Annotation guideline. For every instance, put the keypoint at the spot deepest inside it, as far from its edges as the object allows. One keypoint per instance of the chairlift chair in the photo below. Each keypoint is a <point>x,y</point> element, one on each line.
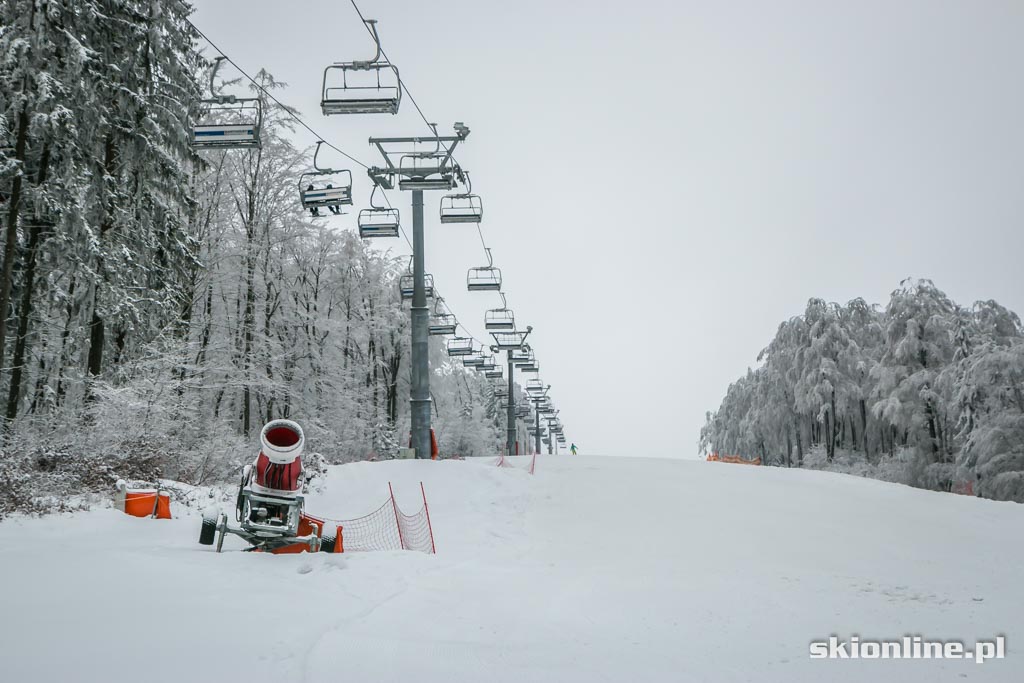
<point>378,221</point>
<point>485,278</point>
<point>425,171</point>
<point>325,187</point>
<point>496,373</point>
<point>533,367</point>
<point>472,360</point>
<point>499,319</point>
<point>462,207</point>
<point>362,87</point>
<point>489,363</point>
<point>501,391</point>
<point>407,284</point>
<point>535,387</point>
<point>442,324</point>
<point>460,346</point>
<point>324,197</point>
<point>524,359</point>
<point>522,354</point>
<point>227,121</point>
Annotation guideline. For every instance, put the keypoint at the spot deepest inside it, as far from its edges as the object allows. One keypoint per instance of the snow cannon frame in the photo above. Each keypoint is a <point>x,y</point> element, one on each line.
<point>270,519</point>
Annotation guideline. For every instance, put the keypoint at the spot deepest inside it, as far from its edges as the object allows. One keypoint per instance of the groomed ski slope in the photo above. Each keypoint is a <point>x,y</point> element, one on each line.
<point>595,569</point>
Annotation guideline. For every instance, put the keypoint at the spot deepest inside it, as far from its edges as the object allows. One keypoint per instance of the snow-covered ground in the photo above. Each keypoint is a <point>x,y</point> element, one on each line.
<point>595,569</point>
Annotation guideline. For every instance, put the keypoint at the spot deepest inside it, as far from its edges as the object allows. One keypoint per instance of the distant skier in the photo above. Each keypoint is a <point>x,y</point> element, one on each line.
<point>572,449</point>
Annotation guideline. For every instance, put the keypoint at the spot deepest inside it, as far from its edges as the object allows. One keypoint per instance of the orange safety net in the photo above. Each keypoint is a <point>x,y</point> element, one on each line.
<point>735,459</point>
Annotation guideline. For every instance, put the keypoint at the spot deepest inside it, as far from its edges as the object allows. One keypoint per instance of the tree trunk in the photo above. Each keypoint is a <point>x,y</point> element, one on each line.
<point>25,307</point>
<point>789,449</point>
<point>11,244</point>
<point>799,444</point>
<point>864,427</point>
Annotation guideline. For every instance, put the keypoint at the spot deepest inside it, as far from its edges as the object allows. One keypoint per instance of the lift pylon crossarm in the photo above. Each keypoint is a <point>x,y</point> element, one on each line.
<point>512,340</point>
<point>371,86</point>
<point>413,173</point>
<point>537,389</point>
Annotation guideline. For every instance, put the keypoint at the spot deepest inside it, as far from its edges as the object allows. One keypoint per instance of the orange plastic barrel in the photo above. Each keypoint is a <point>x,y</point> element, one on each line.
<point>140,504</point>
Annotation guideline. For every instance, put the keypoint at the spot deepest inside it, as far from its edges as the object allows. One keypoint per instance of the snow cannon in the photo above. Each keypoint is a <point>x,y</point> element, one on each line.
<point>269,506</point>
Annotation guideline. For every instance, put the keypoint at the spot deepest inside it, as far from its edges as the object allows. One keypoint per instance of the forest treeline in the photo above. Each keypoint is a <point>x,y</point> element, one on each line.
<point>924,391</point>
<point>161,305</point>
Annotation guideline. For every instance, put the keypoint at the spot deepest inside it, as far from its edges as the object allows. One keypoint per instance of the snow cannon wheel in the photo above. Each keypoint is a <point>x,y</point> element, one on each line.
<point>327,544</point>
<point>208,530</point>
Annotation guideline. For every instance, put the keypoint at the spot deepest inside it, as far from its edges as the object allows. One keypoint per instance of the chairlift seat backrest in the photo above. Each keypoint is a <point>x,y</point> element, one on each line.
<point>326,196</point>
<point>226,136</point>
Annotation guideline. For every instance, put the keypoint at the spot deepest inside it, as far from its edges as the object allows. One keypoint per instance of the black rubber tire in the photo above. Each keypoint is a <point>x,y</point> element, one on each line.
<point>208,532</point>
<point>327,544</point>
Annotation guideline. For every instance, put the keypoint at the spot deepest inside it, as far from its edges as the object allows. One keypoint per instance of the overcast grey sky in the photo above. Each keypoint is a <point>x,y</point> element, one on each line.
<point>664,182</point>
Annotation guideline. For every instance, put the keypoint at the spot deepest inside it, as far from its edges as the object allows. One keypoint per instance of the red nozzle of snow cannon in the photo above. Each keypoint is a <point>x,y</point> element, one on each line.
<point>282,441</point>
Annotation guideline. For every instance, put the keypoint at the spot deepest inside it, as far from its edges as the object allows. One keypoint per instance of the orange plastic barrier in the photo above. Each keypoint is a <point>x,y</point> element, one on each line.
<point>139,503</point>
<point>307,525</point>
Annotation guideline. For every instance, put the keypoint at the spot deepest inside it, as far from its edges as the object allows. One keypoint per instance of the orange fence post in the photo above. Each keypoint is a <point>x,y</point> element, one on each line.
<point>430,527</point>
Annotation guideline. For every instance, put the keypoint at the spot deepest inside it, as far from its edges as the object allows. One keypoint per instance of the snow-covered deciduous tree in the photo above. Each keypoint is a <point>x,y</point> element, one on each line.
<point>924,387</point>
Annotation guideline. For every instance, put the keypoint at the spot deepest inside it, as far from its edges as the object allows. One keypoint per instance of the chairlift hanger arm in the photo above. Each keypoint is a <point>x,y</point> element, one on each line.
<point>213,75</point>
<point>371,24</point>
<point>316,154</point>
